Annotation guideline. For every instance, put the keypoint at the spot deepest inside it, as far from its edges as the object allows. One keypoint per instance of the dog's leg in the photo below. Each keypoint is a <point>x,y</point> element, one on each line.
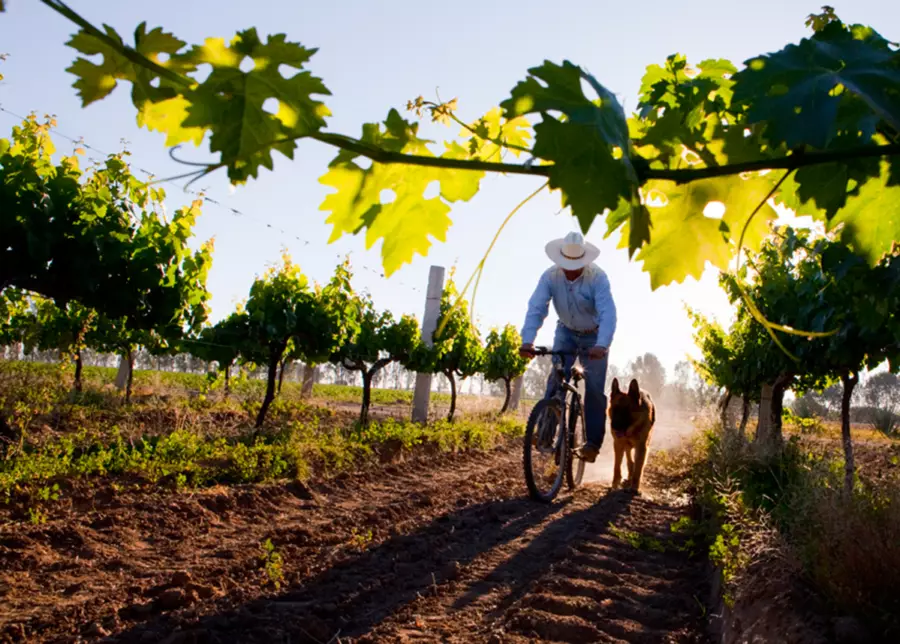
<point>640,461</point>
<point>617,468</point>
<point>630,461</point>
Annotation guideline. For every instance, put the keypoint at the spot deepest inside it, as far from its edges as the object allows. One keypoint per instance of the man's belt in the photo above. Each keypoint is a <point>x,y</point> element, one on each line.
<point>577,332</point>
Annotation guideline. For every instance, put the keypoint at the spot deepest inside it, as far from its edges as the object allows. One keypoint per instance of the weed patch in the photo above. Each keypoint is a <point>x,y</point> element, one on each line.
<point>791,513</point>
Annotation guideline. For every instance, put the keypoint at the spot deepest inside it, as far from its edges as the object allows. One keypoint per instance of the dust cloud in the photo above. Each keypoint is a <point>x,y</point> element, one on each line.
<point>671,429</point>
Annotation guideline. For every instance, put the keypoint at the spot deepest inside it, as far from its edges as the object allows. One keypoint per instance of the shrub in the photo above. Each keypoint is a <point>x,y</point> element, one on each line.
<point>848,545</point>
<point>884,420</point>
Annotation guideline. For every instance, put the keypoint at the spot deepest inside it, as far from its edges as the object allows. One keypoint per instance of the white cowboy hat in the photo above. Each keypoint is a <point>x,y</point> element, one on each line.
<point>572,252</point>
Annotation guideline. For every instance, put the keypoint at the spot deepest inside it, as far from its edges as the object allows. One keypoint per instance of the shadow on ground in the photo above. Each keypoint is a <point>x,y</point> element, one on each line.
<point>359,591</point>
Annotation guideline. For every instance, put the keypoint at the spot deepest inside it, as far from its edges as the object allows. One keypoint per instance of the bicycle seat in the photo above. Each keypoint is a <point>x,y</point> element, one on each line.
<point>578,372</point>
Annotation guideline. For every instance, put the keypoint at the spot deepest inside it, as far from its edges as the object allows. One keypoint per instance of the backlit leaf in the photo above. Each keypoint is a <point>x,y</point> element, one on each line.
<point>230,102</point>
<point>870,219</point>
<point>679,223</point>
<point>588,144</point>
<point>404,218</point>
<point>799,90</point>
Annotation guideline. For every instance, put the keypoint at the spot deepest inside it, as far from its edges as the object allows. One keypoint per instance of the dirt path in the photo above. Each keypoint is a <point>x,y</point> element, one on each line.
<point>443,550</point>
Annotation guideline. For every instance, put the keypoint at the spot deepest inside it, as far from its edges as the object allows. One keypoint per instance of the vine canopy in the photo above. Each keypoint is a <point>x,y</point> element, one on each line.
<point>814,126</point>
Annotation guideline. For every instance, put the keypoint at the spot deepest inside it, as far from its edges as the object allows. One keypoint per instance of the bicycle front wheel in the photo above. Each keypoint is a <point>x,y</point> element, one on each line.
<point>546,453</point>
<point>577,439</point>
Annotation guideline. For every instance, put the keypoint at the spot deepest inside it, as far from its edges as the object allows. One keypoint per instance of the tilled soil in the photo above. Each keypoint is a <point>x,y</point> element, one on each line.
<point>445,548</point>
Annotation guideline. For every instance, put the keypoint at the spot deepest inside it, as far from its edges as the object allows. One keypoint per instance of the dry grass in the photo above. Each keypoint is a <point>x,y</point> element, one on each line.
<point>793,523</point>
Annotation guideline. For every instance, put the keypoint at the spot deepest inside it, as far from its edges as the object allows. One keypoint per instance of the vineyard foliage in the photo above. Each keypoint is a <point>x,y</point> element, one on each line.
<point>378,340</point>
<point>456,349</point>
<point>803,280</point>
<point>131,282</point>
<point>502,360</point>
<point>287,314</point>
<point>814,125</point>
<point>97,237</point>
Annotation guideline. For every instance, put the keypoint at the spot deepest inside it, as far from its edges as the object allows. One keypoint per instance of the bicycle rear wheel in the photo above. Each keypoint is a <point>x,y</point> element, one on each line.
<point>546,453</point>
<point>577,438</point>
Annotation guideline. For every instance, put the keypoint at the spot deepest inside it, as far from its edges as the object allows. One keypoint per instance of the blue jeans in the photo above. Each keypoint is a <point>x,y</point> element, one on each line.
<point>594,377</point>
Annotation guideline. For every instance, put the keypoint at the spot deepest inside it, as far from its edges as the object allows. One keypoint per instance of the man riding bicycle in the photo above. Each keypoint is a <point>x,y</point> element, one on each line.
<point>587,322</point>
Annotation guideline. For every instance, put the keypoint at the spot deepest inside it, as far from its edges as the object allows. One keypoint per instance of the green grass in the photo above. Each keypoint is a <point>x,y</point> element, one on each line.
<point>352,394</point>
<point>184,458</point>
<point>180,431</point>
<point>637,540</point>
<point>178,383</point>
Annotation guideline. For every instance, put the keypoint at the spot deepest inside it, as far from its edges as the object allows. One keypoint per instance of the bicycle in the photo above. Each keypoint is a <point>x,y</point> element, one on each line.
<point>542,436</point>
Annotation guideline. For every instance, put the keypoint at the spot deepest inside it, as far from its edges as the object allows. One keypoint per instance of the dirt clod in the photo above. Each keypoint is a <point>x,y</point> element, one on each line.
<point>95,630</point>
<point>174,598</point>
<point>181,579</point>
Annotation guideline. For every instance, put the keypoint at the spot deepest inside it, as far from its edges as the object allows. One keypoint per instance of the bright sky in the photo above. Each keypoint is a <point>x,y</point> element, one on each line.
<point>377,55</point>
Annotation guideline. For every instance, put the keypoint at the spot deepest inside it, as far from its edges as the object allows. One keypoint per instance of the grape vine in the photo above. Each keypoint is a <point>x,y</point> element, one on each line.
<point>826,109</point>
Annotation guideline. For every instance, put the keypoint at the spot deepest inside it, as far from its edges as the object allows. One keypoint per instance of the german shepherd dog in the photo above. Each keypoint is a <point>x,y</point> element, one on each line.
<point>632,416</point>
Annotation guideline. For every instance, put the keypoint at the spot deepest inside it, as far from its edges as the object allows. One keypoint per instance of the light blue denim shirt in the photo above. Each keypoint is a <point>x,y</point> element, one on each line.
<point>583,305</point>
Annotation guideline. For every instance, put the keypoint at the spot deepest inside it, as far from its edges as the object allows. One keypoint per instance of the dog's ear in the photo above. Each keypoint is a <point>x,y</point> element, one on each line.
<point>615,386</point>
<point>634,390</point>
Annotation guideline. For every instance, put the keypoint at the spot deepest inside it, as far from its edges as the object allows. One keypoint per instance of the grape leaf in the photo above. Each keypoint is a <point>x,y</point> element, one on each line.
<point>230,102</point>
<point>679,224</point>
<point>588,144</point>
<point>682,106</point>
<point>168,116</point>
<point>96,81</point>
<point>798,90</point>
<point>492,127</point>
<point>821,190</point>
<point>870,219</point>
<point>159,106</point>
<point>408,220</point>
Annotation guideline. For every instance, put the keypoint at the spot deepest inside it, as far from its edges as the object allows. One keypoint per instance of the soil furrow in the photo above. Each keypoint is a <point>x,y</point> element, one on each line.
<point>446,548</point>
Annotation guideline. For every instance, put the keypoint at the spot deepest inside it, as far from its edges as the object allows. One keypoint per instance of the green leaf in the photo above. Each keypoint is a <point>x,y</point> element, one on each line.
<point>230,102</point>
<point>638,229</point>
<point>168,116</point>
<point>405,220</point>
<point>96,81</point>
<point>799,90</point>
<point>490,128</point>
<point>870,219</point>
<point>681,109</point>
<point>679,224</point>
<point>588,145</point>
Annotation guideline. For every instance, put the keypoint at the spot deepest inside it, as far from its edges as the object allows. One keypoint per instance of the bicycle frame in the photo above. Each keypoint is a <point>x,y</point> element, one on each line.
<point>552,426</point>
<point>563,385</point>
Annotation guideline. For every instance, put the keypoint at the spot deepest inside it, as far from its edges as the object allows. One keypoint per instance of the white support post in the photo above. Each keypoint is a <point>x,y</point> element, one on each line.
<point>310,375</point>
<point>516,395</point>
<point>429,323</point>
<point>122,373</point>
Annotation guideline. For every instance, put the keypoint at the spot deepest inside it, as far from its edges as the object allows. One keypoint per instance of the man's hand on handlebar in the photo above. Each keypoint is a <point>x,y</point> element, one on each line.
<point>598,353</point>
<point>527,351</point>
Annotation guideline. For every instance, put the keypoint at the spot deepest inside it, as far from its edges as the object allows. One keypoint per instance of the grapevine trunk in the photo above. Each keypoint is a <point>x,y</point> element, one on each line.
<point>78,368</point>
<point>130,359</point>
<point>284,364</point>
<point>274,360</point>
<point>506,383</point>
<point>745,415</point>
<point>723,409</point>
<point>452,380</point>
<point>849,380</point>
<point>771,402</point>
